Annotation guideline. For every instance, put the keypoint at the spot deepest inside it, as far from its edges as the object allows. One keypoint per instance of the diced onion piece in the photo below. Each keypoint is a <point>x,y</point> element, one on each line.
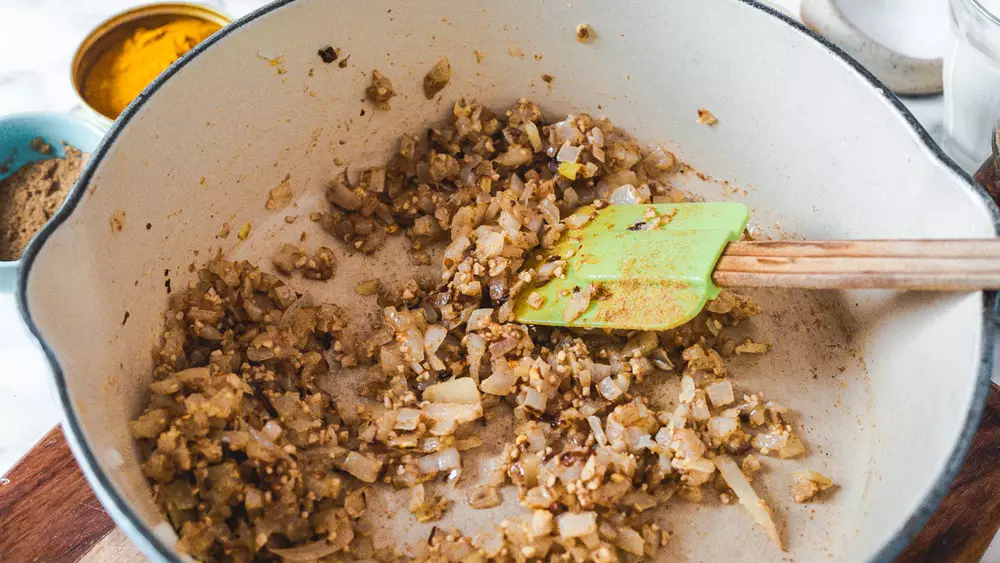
<point>535,300</point>
<point>569,169</point>
<point>720,393</point>
<point>722,427</point>
<point>340,194</point>
<point>595,427</point>
<point>476,347</point>
<point>629,540</point>
<point>549,211</point>
<point>642,343</point>
<point>489,243</point>
<point>433,338</point>
<point>534,400</point>
<point>609,389</point>
<point>578,303</point>
<point>566,130</point>
<point>407,419</point>
<point>625,194</point>
<point>453,412</point>
<point>456,250</point>
<point>415,345</point>
<point>462,391</point>
<point>793,447</point>
<point>577,220</point>
<point>308,552</point>
<point>445,460</point>
<point>533,137</point>
<point>501,382</point>
<point>362,467</point>
<point>738,482</point>
<point>568,153</point>
<point>577,524</point>
<point>479,319</point>
<point>483,496</point>
<point>541,523</point>
<point>515,156</point>
<point>658,161</point>
<point>271,430</point>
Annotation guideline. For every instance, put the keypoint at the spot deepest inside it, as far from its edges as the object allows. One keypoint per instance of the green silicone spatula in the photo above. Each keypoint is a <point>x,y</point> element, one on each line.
<point>654,267</point>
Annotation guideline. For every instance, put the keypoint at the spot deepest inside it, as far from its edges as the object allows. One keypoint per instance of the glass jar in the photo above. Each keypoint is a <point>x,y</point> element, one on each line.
<point>971,80</point>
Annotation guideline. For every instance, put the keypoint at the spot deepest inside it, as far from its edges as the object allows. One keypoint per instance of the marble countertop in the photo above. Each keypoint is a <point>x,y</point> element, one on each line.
<point>44,35</point>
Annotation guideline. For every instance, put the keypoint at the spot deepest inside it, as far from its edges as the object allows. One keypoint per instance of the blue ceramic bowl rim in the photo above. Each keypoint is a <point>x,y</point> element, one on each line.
<point>32,115</point>
<point>125,516</point>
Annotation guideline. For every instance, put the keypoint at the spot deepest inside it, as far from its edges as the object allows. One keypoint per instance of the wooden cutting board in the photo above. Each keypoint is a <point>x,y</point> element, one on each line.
<point>48,512</point>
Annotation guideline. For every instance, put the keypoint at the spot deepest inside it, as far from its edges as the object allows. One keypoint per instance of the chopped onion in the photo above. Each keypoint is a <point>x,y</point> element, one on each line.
<point>577,524</point>
<point>534,400</point>
<point>415,345</point>
<point>568,153</point>
<point>456,250</point>
<point>578,303</point>
<point>642,343</point>
<point>407,419</point>
<point>482,497</point>
<point>549,211</point>
<point>308,552</point>
<point>596,137</point>
<point>433,338</point>
<point>340,194</point>
<point>609,389</point>
<point>479,319</point>
<point>489,243</point>
<point>738,482</point>
<point>461,391</point>
<point>362,467</point>
<point>566,131</point>
<point>625,194</point>
<point>453,412</point>
<point>445,460</point>
<point>629,540</point>
<point>533,137</point>
<point>515,156</point>
<point>476,347</point>
<point>271,430</point>
<point>595,427</point>
<point>722,427</point>
<point>720,393</point>
<point>658,161</point>
<point>435,362</point>
<point>577,220</point>
<point>501,382</point>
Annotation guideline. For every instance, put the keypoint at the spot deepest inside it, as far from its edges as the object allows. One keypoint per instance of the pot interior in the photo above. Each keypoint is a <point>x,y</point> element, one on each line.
<point>882,383</point>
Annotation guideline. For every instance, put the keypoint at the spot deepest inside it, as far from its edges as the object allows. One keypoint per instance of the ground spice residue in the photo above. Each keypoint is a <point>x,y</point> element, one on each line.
<point>30,197</point>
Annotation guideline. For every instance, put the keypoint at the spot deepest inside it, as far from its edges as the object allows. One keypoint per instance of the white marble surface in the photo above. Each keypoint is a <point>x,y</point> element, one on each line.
<point>37,42</point>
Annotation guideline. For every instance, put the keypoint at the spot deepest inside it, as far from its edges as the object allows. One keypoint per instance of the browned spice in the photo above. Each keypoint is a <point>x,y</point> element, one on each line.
<point>327,54</point>
<point>437,78</point>
<point>30,197</point>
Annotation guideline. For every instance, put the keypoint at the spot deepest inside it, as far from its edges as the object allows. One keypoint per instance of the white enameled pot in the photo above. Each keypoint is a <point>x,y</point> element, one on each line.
<point>888,387</point>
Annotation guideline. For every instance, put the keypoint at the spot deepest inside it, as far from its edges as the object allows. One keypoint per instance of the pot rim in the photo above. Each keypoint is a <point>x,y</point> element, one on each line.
<point>126,517</point>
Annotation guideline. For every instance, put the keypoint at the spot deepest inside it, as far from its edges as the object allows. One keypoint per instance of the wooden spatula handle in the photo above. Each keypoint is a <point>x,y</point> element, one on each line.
<point>939,265</point>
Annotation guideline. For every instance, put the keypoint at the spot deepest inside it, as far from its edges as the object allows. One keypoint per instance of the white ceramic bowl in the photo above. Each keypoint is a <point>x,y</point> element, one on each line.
<point>889,387</point>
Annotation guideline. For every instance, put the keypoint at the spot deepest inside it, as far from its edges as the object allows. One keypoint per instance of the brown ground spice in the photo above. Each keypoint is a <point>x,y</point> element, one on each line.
<point>30,197</point>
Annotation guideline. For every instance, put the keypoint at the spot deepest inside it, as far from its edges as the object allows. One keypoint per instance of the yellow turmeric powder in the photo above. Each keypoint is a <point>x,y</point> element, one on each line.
<point>123,71</point>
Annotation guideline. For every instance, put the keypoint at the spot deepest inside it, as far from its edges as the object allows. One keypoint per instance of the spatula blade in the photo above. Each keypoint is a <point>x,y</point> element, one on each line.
<point>645,267</point>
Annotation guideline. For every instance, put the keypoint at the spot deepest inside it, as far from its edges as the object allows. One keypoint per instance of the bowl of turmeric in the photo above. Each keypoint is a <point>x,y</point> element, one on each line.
<point>123,55</point>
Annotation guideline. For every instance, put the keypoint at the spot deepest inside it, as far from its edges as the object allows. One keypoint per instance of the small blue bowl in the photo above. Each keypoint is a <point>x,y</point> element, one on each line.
<point>16,134</point>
